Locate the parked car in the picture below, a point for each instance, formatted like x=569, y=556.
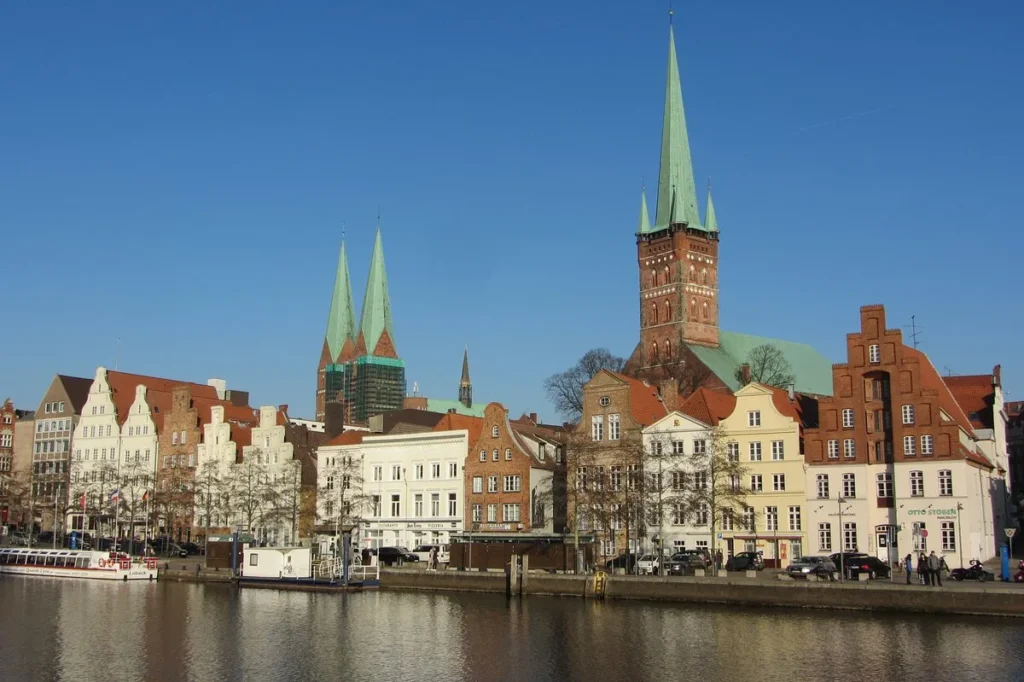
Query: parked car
x=679, y=564
x=193, y=548
x=745, y=561
x=394, y=556
x=626, y=561
x=821, y=566
x=699, y=558
x=857, y=562
x=422, y=553
x=19, y=538
x=647, y=564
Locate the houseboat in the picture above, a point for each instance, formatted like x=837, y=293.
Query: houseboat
x=70, y=563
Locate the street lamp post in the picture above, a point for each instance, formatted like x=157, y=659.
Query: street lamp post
x=842, y=542
x=959, y=533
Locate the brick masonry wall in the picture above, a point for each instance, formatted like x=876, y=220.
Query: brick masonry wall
x=495, y=415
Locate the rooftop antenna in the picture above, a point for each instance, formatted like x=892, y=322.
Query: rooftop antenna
x=670, y=12
x=914, y=333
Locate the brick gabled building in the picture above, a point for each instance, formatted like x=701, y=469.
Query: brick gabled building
x=896, y=456
x=515, y=476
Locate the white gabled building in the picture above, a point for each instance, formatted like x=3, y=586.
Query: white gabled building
x=278, y=524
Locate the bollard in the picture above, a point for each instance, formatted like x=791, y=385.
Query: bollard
x=751, y=574
x=698, y=572
x=863, y=577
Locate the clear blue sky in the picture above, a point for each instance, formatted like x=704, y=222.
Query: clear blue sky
x=178, y=175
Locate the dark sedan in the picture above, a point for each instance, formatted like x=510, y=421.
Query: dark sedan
x=857, y=563
x=745, y=561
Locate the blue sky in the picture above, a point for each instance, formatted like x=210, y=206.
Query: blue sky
x=178, y=176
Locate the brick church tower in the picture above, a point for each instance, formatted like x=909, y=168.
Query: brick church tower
x=678, y=255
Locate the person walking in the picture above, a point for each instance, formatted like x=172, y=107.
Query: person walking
x=934, y=566
x=922, y=568
x=908, y=566
x=433, y=558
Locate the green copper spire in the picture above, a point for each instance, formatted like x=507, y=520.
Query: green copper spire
x=710, y=220
x=341, y=324
x=376, y=302
x=645, y=220
x=677, y=195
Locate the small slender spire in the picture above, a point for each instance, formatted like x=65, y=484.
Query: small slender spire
x=645, y=220
x=710, y=220
x=465, y=385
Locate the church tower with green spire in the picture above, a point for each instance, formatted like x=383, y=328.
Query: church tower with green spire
x=339, y=340
x=678, y=255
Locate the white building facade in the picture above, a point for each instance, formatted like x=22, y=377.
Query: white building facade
x=278, y=521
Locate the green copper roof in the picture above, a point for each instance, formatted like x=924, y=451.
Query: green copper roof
x=812, y=370
x=677, y=194
x=710, y=220
x=376, y=302
x=442, y=406
x=341, y=323
x=645, y=220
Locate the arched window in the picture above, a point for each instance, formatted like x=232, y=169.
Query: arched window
x=494, y=432
x=668, y=350
x=654, y=352
x=668, y=311
x=693, y=308
x=654, y=278
x=654, y=313
x=704, y=276
x=705, y=310
x=693, y=274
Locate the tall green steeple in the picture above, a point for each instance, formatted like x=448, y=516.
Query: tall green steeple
x=645, y=220
x=677, y=195
x=341, y=323
x=710, y=220
x=376, y=303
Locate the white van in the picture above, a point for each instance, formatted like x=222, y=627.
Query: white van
x=423, y=552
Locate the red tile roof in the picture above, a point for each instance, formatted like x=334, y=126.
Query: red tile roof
x=454, y=422
x=158, y=393
x=644, y=403
x=975, y=396
x=780, y=398
x=708, y=406
x=930, y=380
x=348, y=438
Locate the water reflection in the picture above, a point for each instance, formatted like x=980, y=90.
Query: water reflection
x=83, y=631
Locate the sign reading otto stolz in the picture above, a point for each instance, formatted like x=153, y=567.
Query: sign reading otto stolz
x=939, y=513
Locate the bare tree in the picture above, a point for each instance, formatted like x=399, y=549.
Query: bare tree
x=284, y=499
x=15, y=494
x=250, y=490
x=768, y=366
x=210, y=493
x=136, y=481
x=665, y=467
x=174, y=497
x=565, y=389
x=340, y=495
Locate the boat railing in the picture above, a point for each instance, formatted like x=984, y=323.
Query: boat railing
x=327, y=569
x=364, y=573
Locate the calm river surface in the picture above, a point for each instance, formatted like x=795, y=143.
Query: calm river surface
x=83, y=631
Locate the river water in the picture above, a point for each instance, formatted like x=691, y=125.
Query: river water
x=80, y=631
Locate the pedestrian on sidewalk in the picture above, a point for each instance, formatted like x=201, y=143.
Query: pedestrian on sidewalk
x=432, y=560
x=934, y=566
x=922, y=568
x=908, y=566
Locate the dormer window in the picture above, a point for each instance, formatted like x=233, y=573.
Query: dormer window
x=494, y=432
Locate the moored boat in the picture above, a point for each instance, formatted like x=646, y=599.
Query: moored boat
x=70, y=563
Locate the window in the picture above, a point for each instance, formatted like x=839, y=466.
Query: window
x=734, y=452
x=131, y=432
x=884, y=484
x=927, y=446
x=378, y=473
x=778, y=451
x=847, y=418
x=755, y=451
x=755, y=483
x=917, y=484
x=453, y=469
x=254, y=559
x=492, y=513
x=478, y=513
x=678, y=515
x=492, y=484
x=754, y=418
x=849, y=485
x=700, y=447
x=849, y=448
x=452, y=506
x=908, y=446
x=822, y=480
x=678, y=447
x=597, y=427
x=183, y=437
x=656, y=448
x=418, y=472
x=795, y=523
x=494, y=455
x=874, y=356
x=435, y=470
x=478, y=484
x=779, y=482
x=494, y=432
x=483, y=455
x=396, y=505
x=396, y=472
x=833, y=449
x=945, y=483
x=734, y=483
x=147, y=454
x=330, y=482
x=824, y=537
x=417, y=502
x=435, y=504
x=174, y=436
x=632, y=476
x=613, y=427
x=701, y=517
x=508, y=454
x=512, y=484
x=700, y=480
x=46, y=408
x=510, y=513
x=948, y=536
x=771, y=518
x=727, y=519
x=616, y=478
x=908, y=415
x=605, y=401
x=850, y=537
x=678, y=480
x=6, y=440
x=748, y=519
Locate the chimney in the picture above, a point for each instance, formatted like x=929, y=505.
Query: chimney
x=283, y=408
x=668, y=389
x=792, y=392
x=219, y=385
x=745, y=373
x=334, y=419
x=533, y=418
x=997, y=379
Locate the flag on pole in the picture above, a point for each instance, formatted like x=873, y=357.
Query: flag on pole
x=81, y=502
x=115, y=495
x=145, y=496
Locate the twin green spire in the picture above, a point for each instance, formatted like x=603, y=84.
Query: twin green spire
x=376, y=318
x=677, y=192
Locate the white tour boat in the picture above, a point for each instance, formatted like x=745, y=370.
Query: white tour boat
x=71, y=563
